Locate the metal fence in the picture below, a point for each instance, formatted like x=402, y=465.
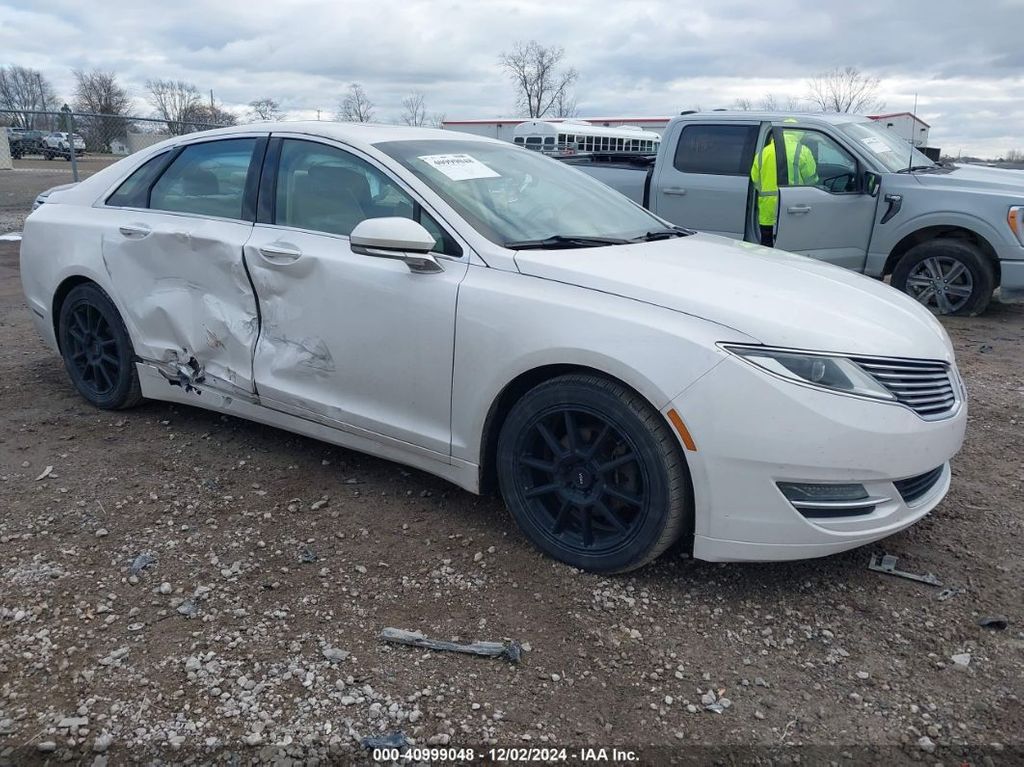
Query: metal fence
x=72, y=136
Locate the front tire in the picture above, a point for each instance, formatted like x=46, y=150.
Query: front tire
x=948, y=276
x=593, y=475
x=97, y=350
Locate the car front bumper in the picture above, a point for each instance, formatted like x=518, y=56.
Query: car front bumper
x=753, y=430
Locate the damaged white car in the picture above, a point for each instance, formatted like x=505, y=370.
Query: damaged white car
x=501, y=320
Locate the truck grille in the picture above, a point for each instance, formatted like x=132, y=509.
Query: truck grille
x=913, y=488
x=925, y=387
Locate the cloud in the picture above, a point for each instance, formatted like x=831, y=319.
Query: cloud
x=654, y=57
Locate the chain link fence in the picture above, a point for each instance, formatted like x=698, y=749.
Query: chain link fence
x=75, y=136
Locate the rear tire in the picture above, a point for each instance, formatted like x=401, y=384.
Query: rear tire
x=593, y=475
x=97, y=350
x=948, y=276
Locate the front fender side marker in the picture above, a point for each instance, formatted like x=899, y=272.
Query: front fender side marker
x=684, y=433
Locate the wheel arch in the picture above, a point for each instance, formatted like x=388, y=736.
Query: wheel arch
x=513, y=391
x=60, y=295
x=938, y=232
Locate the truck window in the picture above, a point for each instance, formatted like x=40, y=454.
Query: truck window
x=815, y=159
x=721, y=150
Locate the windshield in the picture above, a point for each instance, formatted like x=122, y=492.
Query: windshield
x=513, y=196
x=888, y=147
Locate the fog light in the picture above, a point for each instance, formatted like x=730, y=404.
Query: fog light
x=803, y=492
x=820, y=500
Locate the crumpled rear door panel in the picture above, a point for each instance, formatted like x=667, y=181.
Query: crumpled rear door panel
x=183, y=285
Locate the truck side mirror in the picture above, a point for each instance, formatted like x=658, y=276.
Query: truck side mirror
x=872, y=183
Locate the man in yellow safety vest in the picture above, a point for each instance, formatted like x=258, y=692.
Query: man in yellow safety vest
x=802, y=170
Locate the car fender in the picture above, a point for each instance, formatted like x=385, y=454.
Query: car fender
x=510, y=324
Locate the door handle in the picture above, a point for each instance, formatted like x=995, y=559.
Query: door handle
x=134, y=230
x=276, y=254
x=798, y=209
x=674, y=190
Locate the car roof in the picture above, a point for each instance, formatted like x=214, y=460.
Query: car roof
x=361, y=135
x=832, y=118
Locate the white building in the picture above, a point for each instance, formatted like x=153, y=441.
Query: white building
x=907, y=125
x=503, y=128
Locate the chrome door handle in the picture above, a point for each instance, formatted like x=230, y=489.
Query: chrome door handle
x=675, y=190
x=799, y=209
x=137, y=230
x=279, y=254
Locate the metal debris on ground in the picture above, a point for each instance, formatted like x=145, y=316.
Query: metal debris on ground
x=887, y=564
x=947, y=594
x=46, y=472
x=308, y=556
x=391, y=740
x=188, y=608
x=511, y=651
x=995, y=622
x=141, y=562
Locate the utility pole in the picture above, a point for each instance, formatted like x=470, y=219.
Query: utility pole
x=318, y=115
x=211, y=103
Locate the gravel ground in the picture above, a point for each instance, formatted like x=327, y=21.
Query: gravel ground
x=270, y=564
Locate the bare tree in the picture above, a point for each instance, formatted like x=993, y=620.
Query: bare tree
x=744, y=105
x=845, y=90
x=768, y=103
x=356, y=107
x=99, y=94
x=565, y=106
x=176, y=102
x=437, y=120
x=539, y=83
x=26, y=90
x=215, y=114
x=265, y=109
x=414, y=111
x=1014, y=155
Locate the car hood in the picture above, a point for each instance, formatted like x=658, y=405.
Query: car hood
x=778, y=298
x=976, y=177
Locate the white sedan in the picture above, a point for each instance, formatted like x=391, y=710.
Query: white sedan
x=496, y=318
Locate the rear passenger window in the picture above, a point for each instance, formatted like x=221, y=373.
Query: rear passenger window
x=134, y=191
x=722, y=150
x=206, y=179
x=323, y=189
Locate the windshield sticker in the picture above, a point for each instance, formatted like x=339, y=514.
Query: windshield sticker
x=875, y=144
x=459, y=167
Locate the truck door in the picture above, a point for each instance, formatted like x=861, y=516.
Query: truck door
x=705, y=183
x=824, y=210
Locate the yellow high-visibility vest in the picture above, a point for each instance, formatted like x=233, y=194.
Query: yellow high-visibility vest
x=803, y=170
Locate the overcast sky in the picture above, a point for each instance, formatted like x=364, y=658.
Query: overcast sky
x=964, y=60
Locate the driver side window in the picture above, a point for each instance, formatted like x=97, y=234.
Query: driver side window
x=323, y=189
x=817, y=160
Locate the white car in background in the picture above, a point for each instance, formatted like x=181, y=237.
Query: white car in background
x=494, y=317
x=58, y=144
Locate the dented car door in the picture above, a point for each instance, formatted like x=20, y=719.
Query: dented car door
x=174, y=252
x=350, y=340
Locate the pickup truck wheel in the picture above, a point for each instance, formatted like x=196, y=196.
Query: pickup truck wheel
x=47, y=154
x=97, y=350
x=593, y=475
x=947, y=276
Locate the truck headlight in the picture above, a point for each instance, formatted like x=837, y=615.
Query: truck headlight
x=1015, y=218
x=823, y=371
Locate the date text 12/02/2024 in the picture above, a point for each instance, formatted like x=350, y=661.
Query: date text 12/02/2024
x=507, y=755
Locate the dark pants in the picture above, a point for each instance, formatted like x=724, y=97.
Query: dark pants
x=768, y=236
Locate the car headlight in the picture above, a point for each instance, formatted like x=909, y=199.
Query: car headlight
x=825, y=371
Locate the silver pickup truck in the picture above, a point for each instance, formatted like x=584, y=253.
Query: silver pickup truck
x=947, y=235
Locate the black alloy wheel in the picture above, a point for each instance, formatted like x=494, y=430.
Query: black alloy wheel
x=592, y=474
x=97, y=351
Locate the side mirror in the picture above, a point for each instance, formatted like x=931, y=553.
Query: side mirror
x=872, y=183
x=398, y=238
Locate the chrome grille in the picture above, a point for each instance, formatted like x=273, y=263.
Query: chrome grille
x=923, y=386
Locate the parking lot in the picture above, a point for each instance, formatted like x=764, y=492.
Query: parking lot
x=275, y=561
